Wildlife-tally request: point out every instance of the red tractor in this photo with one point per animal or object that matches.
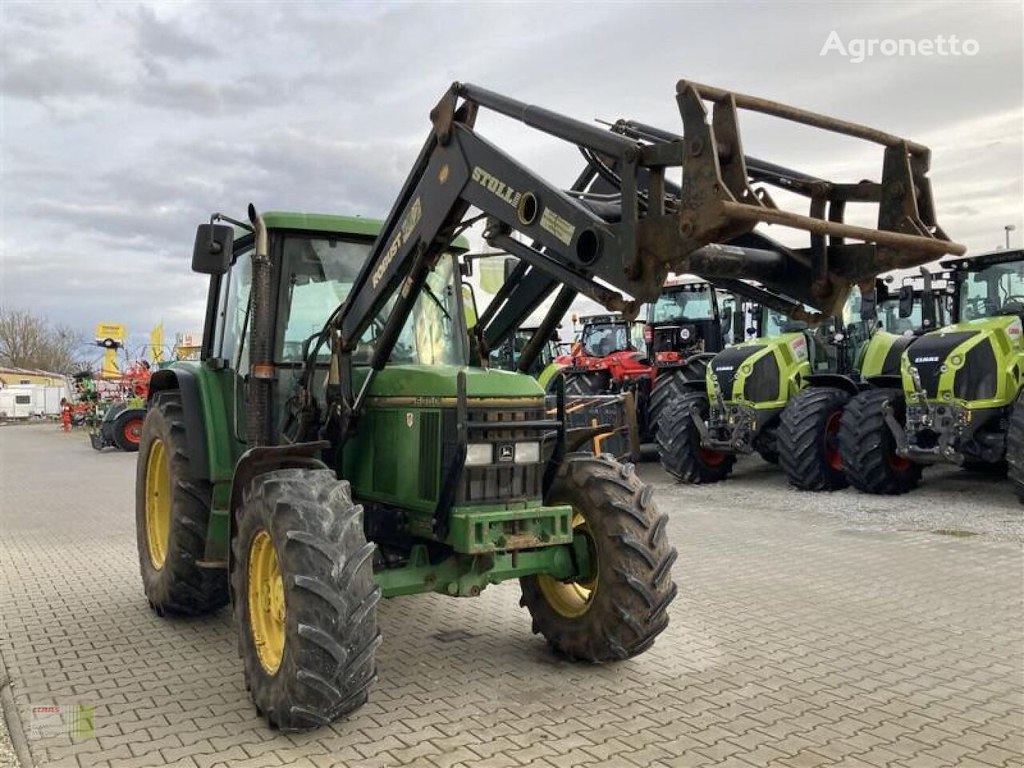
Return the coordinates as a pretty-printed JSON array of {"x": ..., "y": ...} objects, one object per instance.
[{"x": 610, "y": 357}]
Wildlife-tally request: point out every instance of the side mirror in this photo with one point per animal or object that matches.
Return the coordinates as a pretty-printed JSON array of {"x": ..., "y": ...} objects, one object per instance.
[
  {"x": 211, "y": 254},
  {"x": 906, "y": 301}
]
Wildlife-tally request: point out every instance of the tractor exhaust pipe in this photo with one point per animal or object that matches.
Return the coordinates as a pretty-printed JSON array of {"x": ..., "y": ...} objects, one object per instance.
[{"x": 262, "y": 366}]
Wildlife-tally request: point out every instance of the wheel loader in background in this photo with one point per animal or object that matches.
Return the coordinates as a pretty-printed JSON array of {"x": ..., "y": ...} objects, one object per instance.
[
  {"x": 340, "y": 441},
  {"x": 958, "y": 397}
]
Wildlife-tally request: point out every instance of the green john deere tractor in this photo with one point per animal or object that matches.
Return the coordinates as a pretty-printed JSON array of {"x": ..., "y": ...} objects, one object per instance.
[
  {"x": 958, "y": 399},
  {"x": 781, "y": 395},
  {"x": 309, "y": 558}
]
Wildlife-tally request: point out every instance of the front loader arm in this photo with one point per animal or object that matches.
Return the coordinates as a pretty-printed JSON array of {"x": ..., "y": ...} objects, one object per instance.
[{"x": 619, "y": 253}]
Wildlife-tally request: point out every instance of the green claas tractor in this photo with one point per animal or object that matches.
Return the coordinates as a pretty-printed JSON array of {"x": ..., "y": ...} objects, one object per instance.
[
  {"x": 341, "y": 439},
  {"x": 958, "y": 398},
  {"x": 782, "y": 396}
]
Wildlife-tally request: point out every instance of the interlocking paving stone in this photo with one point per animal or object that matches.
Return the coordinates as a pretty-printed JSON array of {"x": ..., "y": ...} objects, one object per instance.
[{"x": 810, "y": 629}]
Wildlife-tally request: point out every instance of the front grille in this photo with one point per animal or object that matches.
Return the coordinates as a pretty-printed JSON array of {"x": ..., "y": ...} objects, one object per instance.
[
  {"x": 977, "y": 379},
  {"x": 929, "y": 353},
  {"x": 762, "y": 385},
  {"x": 502, "y": 481},
  {"x": 430, "y": 443},
  {"x": 727, "y": 363}
]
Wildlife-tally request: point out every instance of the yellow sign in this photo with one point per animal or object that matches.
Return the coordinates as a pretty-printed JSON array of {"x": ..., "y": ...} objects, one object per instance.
[{"x": 110, "y": 336}]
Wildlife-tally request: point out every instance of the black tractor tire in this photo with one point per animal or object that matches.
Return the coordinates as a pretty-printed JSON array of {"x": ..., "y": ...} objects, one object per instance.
[
  {"x": 669, "y": 388},
  {"x": 868, "y": 448},
  {"x": 326, "y": 660},
  {"x": 172, "y": 580},
  {"x": 679, "y": 448},
  {"x": 618, "y": 613},
  {"x": 1015, "y": 448},
  {"x": 808, "y": 439},
  {"x": 591, "y": 383},
  {"x": 127, "y": 429}
]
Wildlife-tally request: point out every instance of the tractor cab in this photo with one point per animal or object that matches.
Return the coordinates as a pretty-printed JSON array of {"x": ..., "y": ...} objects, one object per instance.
[
  {"x": 684, "y": 321},
  {"x": 989, "y": 285}
]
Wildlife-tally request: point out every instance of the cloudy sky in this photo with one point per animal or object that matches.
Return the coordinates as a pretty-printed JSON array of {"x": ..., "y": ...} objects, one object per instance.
[{"x": 123, "y": 125}]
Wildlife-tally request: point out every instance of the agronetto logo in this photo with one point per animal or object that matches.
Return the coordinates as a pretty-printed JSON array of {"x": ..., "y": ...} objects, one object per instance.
[{"x": 859, "y": 49}]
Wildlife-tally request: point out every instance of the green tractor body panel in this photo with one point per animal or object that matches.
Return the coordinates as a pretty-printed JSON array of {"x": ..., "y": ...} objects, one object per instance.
[
  {"x": 762, "y": 373},
  {"x": 975, "y": 364},
  {"x": 880, "y": 355}
]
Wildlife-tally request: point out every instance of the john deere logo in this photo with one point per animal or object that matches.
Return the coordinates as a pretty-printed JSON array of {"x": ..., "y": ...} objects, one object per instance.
[
  {"x": 505, "y": 452},
  {"x": 408, "y": 420}
]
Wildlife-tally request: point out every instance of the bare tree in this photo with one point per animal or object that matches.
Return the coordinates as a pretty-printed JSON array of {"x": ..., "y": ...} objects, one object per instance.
[{"x": 28, "y": 340}]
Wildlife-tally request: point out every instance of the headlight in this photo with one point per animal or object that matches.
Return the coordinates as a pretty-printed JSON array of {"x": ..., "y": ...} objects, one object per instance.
[
  {"x": 479, "y": 453},
  {"x": 527, "y": 453}
]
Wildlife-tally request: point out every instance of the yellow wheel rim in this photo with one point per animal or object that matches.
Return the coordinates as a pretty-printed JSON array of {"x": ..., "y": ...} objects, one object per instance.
[
  {"x": 266, "y": 602},
  {"x": 158, "y": 504},
  {"x": 572, "y": 599}
]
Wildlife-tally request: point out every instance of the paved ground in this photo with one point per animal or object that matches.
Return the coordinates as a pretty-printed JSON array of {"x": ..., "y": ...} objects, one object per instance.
[{"x": 809, "y": 630}]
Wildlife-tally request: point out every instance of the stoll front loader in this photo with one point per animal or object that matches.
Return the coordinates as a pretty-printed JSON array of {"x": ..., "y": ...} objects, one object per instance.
[
  {"x": 340, "y": 441},
  {"x": 959, "y": 395}
]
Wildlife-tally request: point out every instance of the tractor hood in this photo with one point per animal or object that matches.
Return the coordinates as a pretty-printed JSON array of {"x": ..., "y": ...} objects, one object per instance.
[
  {"x": 759, "y": 371},
  {"x": 967, "y": 361},
  {"x": 441, "y": 381}
]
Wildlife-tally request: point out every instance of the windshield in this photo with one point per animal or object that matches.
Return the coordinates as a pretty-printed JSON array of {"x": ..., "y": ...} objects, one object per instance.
[
  {"x": 320, "y": 275},
  {"x": 683, "y": 302},
  {"x": 600, "y": 339},
  {"x": 987, "y": 293}
]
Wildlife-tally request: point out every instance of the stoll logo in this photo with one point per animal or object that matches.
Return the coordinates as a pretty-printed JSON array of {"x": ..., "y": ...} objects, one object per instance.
[{"x": 858, "y": 49}]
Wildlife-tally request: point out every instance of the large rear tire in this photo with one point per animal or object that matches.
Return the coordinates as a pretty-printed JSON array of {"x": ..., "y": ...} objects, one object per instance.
[
  {"x": 809, "y": 439},
  {"x": 679, "y": 447},
  {"x": 619, "y": 610},
  {"x": 868, "y": 448},
  {"x": 593, "y": 383},
  {"x": 171, "y": 516},
  {"x": 127, "y": 429},
  {"x": 1015, "y": 448},
  {"x": 305, "y": 601}
]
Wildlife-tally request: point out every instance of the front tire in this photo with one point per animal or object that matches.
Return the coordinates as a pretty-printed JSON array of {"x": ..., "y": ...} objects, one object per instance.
[
  {"x": 679, "y": 448},
  {"x": 171, "y": 517},
  {"x": 305, "y": 601},
  {"x": 619, "y": 610},
  {"x": 808, "y": 439},
  {"x": 868, "y": 448},
  {"x": 1015, "y": 448},
  {"x": 669, "y": 387}
]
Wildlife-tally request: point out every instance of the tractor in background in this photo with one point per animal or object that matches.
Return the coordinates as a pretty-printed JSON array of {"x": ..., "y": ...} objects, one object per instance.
[{"x": 957, "y": 396}]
